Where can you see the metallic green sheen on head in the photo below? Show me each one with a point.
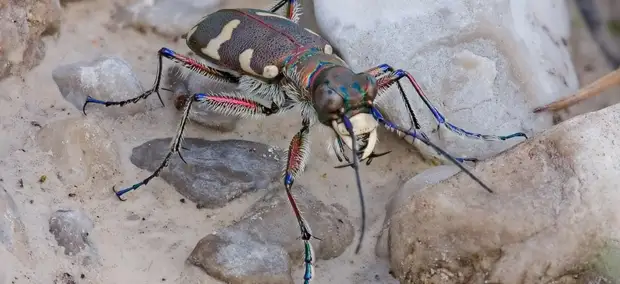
(336, 89)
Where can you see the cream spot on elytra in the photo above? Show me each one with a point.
(213, 47)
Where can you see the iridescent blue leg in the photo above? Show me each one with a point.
(415, 134)
(187, 62)
(308, 260)
(396, 75)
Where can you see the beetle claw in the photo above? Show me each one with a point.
(119, 196)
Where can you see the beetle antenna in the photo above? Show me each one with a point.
(355, 166)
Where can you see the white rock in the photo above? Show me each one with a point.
(175, 17)
(485, 64)
(402, 197)
(106, 78)
(554, 212)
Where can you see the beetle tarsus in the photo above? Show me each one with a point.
(119, 194)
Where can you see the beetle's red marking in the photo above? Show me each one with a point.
(233, 101)
(291, 200)
(260, 21)
(294, 154)
(290, 9)
(192, 62)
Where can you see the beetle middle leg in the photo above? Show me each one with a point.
(225, 103)
(186, 61)
(393, 76)
(297, 156)
(293, 12)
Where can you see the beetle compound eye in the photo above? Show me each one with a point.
(327, 101)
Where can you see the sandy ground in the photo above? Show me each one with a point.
(156, 248)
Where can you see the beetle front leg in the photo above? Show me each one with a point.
(383, 69)
(294, 10)
(395, 75)
(227, 103)
(420, 136)
(187, 62)
(297, 156)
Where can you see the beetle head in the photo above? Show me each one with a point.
(338, 94)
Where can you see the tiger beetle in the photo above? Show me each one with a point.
(269, 56)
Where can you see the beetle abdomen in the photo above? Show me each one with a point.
(250, 41)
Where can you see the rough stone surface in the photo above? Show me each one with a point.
(270, 227)
(183, 88)
(71, 229)
(216, 171)
(403, 196)
(554, 212)
(22, 25)
(484, 64)
(12, 230)
(81, 150)
(237, 257)
(271, 220)
(105, 78)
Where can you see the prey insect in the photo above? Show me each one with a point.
(270, 57)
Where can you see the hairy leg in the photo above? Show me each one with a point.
(297, 156)
(226, 103)
(187, 62)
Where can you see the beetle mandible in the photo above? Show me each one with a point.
(271, 57)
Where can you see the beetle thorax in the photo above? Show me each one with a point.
(302, 67)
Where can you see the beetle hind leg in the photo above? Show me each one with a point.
(187, 62)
